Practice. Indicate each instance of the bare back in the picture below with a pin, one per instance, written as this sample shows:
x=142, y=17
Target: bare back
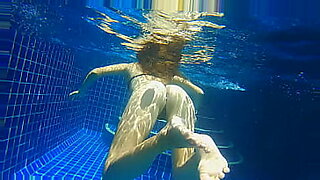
x=138, y=77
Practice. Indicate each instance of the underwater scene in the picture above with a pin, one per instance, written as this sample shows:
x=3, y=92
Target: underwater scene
x=159, y=89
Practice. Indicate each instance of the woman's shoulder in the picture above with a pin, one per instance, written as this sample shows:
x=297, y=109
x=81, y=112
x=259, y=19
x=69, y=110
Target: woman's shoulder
x=126, y=66
x=134, y=68
x=131, y=65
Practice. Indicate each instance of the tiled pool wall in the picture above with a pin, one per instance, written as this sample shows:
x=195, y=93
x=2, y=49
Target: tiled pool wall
x=36, y=112
x=106, y=101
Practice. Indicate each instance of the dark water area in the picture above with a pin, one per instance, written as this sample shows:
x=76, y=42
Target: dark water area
x=275, y=122
x=275, y=134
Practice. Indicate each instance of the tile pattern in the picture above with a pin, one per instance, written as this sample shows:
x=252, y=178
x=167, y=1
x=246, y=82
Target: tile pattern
x=106, y=102
x=82, y=157
x=38, y=114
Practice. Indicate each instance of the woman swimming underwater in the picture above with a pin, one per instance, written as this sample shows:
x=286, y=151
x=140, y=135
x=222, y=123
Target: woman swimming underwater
x=157, y=88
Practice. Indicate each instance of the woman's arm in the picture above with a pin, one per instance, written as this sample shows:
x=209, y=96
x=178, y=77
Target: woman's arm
x=94, y=74
x=110, y=69
x=188, y=83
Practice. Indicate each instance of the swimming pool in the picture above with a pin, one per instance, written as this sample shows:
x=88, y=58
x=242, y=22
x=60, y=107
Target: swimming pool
x=261, y=84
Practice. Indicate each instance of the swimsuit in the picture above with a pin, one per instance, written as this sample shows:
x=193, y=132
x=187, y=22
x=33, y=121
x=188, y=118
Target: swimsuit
x=136, y=77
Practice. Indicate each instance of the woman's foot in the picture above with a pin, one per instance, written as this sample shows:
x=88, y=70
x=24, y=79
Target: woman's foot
x=212, y=165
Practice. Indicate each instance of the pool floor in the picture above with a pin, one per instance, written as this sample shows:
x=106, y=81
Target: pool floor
x=82, y=157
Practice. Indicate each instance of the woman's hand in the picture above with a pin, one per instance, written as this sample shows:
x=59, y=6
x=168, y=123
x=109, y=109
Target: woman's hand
x=199, y=90
x=75, y=95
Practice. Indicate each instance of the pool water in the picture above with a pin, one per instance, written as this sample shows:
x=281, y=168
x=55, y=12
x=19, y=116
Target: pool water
x=261, y=103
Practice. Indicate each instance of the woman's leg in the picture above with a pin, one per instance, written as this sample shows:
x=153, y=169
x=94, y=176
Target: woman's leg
x=180, y=106
x=129, y=154
x=202, y=163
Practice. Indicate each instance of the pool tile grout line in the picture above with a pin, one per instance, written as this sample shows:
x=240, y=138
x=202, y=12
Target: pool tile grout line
x=82, y=156
x=46, y=158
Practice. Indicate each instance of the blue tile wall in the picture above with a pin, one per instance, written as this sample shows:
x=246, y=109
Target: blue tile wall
x=36, y=112
x=82, y=156
x=106, y=101
x=5, y=48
